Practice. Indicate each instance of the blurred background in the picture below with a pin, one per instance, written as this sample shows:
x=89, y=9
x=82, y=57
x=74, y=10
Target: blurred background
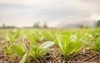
x=49, y=13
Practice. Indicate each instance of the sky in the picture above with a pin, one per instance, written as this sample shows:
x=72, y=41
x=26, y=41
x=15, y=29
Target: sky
x=26, y=12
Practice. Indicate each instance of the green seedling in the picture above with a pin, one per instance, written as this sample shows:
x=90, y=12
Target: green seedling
x=38, y=51
x=21, y=50
x=96, y=43
x=69, y=44
x=31, y=39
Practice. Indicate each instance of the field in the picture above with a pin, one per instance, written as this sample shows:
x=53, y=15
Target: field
x=50, y=45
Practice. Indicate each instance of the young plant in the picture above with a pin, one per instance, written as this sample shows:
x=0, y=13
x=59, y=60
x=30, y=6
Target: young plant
x=69, y=44
x=21, y=50
x=37, y=35
x=35, y=51
x=10, y=38
x=31, y=39
x=38, y=51
x=50, y=36
x=86, y=38
x=96, y=42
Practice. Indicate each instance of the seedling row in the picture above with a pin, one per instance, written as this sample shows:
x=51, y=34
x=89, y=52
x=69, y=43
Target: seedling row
x=47, y=45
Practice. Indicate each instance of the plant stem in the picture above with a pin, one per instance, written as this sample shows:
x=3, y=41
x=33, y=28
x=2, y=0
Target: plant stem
x=12, y=58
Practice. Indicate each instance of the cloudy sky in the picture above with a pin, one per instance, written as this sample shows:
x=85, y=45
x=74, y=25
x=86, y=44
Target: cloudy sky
x=26, y=12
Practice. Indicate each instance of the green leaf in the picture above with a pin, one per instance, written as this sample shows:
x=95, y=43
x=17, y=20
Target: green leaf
x=31, y=38
x=47, y=44
x=69, y=44
x=38, y=51
x=18, y=49
x=23, y=58
x=34, y=51
x=23, y=46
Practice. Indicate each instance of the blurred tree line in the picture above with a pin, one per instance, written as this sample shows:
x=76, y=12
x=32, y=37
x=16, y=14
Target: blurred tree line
x=98, y=23
x=36, y=25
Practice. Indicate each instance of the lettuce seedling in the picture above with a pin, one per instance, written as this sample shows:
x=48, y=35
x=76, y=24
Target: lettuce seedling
x=37, y=35
x=10, y=38
x=95, y=44
x=31, y=38
x=38, y=51
x=69, y=44
x=21, y=50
